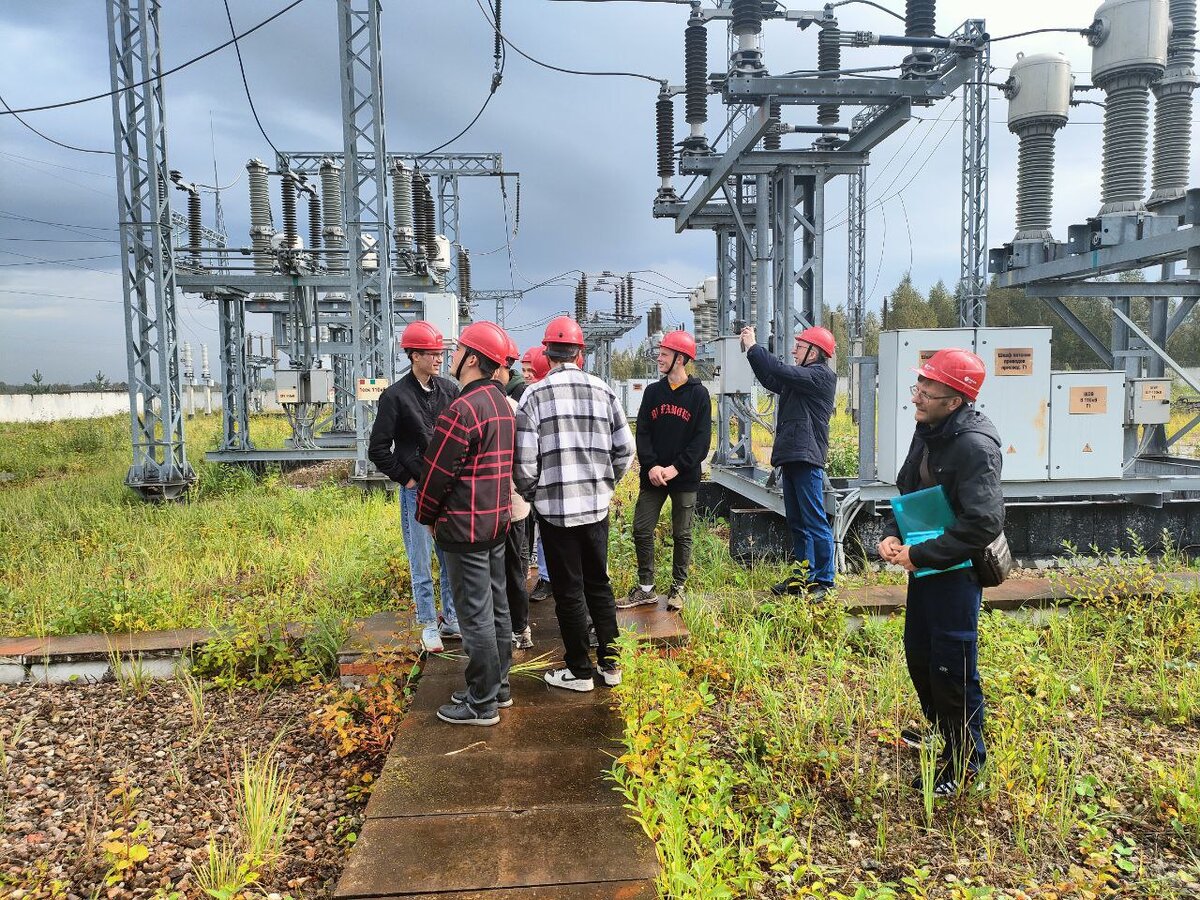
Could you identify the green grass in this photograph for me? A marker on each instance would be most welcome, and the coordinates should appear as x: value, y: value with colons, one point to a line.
x: 763, y: 759
x: 82, y: 553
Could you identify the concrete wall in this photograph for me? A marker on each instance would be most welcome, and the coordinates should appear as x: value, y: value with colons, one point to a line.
x: 90, y: 405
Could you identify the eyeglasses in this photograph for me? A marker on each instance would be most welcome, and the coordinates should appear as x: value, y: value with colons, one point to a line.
x: 437, y: 353
x: 919, y: 393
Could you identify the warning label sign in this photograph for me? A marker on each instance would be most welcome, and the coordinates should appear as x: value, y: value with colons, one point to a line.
x: 924, y: 356
x: 1014, y: 360
x: 371, y: 388
x: 1089, y: 401
x: 1154, y: 392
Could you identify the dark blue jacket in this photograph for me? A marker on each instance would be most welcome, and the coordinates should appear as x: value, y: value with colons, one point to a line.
x: 806, y: 398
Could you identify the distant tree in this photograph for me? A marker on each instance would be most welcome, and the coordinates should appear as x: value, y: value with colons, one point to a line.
x: 906, y: 308
x: 944, y: 305
x: 37, y: 378
x: 100, y: 381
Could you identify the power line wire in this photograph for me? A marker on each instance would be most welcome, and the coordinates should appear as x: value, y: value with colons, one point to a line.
x: 47, y: 137
x: 171, y: 71
x: 245, y: 83
x: 546, y: 65
x: 8, y: 215
x: 56, y: 296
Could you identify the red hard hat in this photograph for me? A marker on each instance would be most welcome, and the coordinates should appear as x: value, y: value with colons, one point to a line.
x: 514, y: 351
x: 819, y: 337
x: 421, y: 336
x: 681, y: 342
x: 487, y: 339
x: 955, y: 368
x: 563, y: 330
x: 528, y: 357
x: 540, y: 362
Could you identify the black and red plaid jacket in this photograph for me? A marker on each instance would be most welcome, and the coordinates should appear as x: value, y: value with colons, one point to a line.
x: 468, y: 469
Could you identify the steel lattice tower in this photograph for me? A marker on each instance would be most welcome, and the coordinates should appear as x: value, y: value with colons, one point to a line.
x: 974, y: 255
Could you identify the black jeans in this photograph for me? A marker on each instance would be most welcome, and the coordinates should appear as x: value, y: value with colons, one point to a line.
x: 577, y: 560
x: 645, y: 517
x: 941, y: 643
x: 478, y: 577
x: 516, y: 569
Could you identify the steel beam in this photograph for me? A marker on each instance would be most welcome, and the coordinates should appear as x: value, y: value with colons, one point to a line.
x: 756, y: 127
x: 877, y: 124
x: 973, y: 253
x: 1171, y: 246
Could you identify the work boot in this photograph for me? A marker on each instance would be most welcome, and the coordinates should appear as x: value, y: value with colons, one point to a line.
x: 792, y: 586
x: 675, y: 598
x: 541, y: 591
x: 637, y: 597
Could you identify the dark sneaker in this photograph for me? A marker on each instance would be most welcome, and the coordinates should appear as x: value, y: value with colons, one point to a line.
x: 503, y: 699
x: 946, y: 783
x: 637, y: 597
x: 610, y: 677
x: 918, y: 740
x: 462, y: 714
x: 448, y: 628
x: 541, y: 591
x: 565, y: 678
x: 523, y: 640
x: 792, y: 586
x: 675, y: 598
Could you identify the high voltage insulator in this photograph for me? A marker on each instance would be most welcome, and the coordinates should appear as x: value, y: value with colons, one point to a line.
x: 430, y: 238
x: 773, y: 138
x: 829, y: 59
x: 695, y: 73
x: 1039, y: 99
x: 261, y: 227
x: 747, y: 17
x: 664, y: 116
x: 629, y: 295
x: 498, y: 43
x: 291, y: 234
x: 402, y: 205
x: 581, y: 299
x: 331, y: 200
x: 314, y: 219
x: 464, y: 274
x: 1173, y: 106
x: 195, y: 223
x: 920, y: 18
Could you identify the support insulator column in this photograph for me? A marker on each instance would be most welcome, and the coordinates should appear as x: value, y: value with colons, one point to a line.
x: 1126, y: 138
x: 829, y: 59
x: 1173, y: 107
x: 664, y: 120
x: 195, y: 223
x: 1035, y: 179
x: 291, y: 234
x: 333, y: 233
x: 746, y: 24
x: 402, y: 206
x: 262, y: 229
x: 314, y: 218
x: 695, y: 71
x: 464, y: 275
x: 920, y: 21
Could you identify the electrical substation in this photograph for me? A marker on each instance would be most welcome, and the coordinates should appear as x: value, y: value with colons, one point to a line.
x: 1088, y: 454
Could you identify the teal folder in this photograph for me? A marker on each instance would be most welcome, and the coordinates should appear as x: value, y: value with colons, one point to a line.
x: 923, y: 516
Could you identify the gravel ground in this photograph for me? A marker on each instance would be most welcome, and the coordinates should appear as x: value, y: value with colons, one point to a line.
x: 66, y: 751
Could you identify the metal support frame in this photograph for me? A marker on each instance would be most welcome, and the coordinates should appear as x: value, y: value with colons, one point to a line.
x: 856, y: 283
x: 160, y: 469
x: 448, y: 224
x: 973, y: 258
x: 365, y: 186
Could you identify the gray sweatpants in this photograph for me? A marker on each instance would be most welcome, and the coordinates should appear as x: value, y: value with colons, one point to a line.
x: 477, y: 576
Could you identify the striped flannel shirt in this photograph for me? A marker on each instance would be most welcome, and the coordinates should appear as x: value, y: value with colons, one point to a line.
x: 465, y: 494
x: 573, y: 446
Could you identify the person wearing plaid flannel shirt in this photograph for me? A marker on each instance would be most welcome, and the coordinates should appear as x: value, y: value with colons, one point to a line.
x: 573, y: 446
x: 466, y: 498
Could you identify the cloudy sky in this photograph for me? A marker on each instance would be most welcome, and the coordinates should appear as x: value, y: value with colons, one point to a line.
x: 584, y: 147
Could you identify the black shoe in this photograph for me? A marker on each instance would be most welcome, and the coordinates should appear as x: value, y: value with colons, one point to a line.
x: 792, y: 586
x: 503, y: 699
x: 818, y: 592
x: 946, y: 783
x: 917, y: 740
x: 462, y: 714
x: 541, y: 591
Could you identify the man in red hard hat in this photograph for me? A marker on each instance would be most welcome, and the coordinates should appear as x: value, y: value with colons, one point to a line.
x: 806, y: 392
x: 573, y: 445
x: 674, y: 431
x: 403, y: 426
x: 465, y: 498
x: 957, y: 447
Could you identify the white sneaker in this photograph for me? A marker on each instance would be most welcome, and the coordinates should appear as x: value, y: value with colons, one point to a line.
x: 523, y: 640
x: 562, y: 678
x: 431, y: 641
x: 611, y: 677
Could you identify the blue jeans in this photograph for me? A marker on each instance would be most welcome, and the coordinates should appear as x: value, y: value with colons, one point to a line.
x: 804, y: 506
x: 543, y: 572
x: 941, y: 646
x: 419, y: 545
